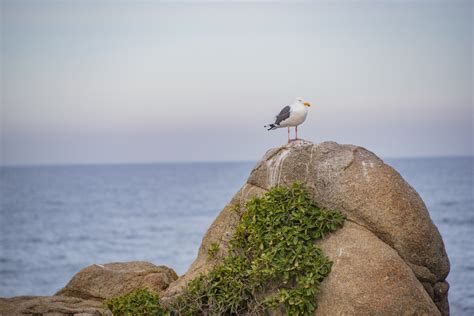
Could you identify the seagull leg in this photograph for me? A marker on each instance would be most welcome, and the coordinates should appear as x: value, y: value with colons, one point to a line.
x: 296, y: 130
x: 288, y: 135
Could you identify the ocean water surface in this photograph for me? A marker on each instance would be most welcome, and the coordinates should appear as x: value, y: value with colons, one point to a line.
x: 56, y: 220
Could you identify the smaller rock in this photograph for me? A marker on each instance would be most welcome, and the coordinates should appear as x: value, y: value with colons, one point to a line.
x: 101, y: 282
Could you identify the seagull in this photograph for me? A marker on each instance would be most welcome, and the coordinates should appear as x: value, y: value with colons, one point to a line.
x: 291, y: 115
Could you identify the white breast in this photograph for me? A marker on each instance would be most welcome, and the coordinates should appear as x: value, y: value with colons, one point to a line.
x: 297, y: 115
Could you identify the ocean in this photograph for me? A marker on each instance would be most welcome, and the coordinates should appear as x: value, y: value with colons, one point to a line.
x: 56, y: 220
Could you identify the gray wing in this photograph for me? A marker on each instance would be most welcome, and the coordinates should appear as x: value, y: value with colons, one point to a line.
x: 284, y: 114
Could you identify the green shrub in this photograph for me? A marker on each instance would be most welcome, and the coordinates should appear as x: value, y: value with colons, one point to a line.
x: 212, y: 251
x: 273, y: 262
x: 273, y: 259
x: 139, y: 302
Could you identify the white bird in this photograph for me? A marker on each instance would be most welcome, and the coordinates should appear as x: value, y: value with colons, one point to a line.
x: 291, y: 115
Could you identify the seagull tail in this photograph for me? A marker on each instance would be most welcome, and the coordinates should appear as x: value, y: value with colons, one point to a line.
x: 270, y: 127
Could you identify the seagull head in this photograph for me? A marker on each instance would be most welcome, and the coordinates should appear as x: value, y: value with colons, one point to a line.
x: 300, y: 100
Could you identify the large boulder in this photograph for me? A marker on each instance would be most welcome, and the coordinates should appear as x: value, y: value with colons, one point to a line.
x: 389, y: 257
x: 101, y: 282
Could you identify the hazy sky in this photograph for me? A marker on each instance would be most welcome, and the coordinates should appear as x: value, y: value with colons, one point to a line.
x: 117, y: 81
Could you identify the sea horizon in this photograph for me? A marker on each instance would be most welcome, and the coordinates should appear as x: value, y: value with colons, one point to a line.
x: 184, y: 162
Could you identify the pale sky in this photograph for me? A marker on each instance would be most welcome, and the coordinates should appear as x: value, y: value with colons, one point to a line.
x: 149, y: 81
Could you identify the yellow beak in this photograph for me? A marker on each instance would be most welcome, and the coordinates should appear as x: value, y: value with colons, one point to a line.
x: 306, y: 104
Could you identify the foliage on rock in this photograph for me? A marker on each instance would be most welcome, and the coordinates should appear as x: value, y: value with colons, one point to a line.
x: 213, y: 250
x: 273, y: 260
x: 139, y: 302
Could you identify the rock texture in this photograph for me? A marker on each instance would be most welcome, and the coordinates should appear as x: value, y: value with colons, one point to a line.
x: 389, y: 257
x: 85, y: 293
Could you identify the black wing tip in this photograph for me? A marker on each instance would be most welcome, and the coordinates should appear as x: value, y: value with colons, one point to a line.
x: 271, y: 127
